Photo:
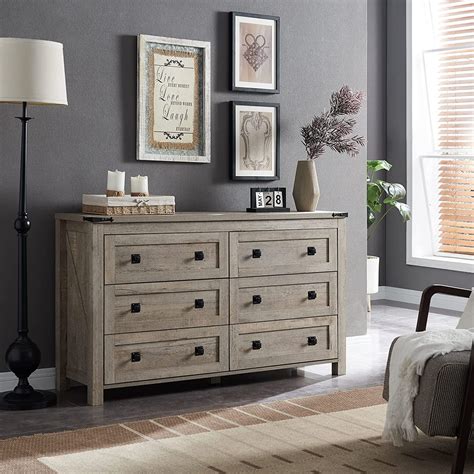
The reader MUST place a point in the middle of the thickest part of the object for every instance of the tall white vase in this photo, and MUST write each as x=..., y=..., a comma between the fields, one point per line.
x=372, y=274
x=372, y=280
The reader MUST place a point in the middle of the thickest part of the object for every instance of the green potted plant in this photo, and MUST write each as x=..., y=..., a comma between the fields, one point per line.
x=382, y=198
x=331, y=129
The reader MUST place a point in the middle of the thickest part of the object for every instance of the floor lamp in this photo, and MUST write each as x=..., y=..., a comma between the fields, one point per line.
x=31, y=72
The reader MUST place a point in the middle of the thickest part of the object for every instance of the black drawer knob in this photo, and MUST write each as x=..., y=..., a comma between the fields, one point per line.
x=199, y=351
x=199, y=255
x=136, y=357
x=256, y=345
x=135, y=307
x=199, y=303
x=311, y=250
x=312, y=295
x=136, y=258
x=256, y=253
x=256, y=299
x=312, y=341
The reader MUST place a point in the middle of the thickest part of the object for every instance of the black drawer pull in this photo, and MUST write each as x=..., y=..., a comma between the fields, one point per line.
x=136, y=258
x=256, y=345
x=312, y=295
x=256, y=253
x=199, y=255
x=312, y=341
x=199, y=303
x=136, y=357
x=311, y=250
x=199, y=351
x=256, y=299
x=135, y=307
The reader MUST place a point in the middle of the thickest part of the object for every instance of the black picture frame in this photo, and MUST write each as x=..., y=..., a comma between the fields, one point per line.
x=234, y=72
x=233, y=151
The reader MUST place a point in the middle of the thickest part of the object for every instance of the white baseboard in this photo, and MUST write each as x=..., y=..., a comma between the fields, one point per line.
x=402, y=295
x=42, y=379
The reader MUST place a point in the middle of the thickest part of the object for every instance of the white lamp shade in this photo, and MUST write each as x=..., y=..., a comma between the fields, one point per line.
x=32, y=71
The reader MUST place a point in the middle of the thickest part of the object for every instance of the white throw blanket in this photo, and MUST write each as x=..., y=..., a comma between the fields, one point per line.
x=409, y=356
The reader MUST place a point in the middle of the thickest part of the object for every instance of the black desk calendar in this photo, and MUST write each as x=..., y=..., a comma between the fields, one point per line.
x=268, y=200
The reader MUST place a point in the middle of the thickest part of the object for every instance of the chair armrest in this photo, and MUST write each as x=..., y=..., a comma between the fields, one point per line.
x=425, y=301
x=386, y=381
x=469, y=398
x=465, y=421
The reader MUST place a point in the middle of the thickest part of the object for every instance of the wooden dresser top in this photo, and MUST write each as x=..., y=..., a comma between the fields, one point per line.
x=209, y=216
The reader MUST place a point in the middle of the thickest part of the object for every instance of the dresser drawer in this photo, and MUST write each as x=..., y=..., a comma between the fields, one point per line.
x=154, y=355
x=283, y=342
x=283, y=297
x=165, y=257
x=283, y=252
x=172, y=305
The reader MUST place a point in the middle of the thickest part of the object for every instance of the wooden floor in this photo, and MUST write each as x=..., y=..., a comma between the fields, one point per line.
x=366, y=358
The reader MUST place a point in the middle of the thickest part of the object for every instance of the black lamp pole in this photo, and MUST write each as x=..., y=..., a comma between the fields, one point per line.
x=23, y=356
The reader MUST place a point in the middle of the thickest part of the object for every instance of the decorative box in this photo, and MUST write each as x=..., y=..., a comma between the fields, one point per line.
x=127, y=205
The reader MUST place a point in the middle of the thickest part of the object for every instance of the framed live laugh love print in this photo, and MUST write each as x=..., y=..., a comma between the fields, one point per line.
x=173, y=109
x=255, y=52
x=255, y=141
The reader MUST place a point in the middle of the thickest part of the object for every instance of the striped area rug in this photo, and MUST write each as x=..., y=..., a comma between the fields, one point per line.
x=334, y=433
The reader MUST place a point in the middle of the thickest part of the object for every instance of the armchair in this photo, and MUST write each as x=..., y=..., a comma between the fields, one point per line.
x=445, y=401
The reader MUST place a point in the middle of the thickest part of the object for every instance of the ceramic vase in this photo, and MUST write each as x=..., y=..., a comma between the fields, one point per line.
x=306, y=188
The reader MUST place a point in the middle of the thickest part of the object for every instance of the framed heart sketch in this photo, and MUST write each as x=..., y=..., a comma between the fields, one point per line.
x=255, y=52
x=173, y=106
x=255, y=141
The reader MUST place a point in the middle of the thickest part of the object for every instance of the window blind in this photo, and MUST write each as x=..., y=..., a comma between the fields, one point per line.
x=456, y=206
x=455, y=34
x=454, y=129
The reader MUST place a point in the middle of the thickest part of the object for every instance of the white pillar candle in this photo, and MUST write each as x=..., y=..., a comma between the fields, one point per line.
x=116, y=182
x=139, y=185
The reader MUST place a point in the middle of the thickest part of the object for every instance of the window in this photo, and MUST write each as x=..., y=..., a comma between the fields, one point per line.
x=440, y=131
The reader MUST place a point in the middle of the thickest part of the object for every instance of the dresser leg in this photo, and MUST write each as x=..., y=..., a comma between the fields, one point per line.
x=339, y=368
x=62, y=383
x=95, y=396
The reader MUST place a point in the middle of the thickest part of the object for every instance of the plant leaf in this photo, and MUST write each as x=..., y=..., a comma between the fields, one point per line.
x=377, y=165
x=394, y=191
x=373, y=197
x=404, y=210
x=370, y=218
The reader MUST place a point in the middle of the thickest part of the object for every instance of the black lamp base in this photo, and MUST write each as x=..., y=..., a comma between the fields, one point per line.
x=23, y=356
x=31, y=401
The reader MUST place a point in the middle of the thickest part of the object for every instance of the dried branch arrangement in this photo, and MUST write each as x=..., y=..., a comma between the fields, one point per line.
x=332, y=128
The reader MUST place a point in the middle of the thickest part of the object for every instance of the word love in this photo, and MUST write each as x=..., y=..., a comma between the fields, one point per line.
x=167, y=94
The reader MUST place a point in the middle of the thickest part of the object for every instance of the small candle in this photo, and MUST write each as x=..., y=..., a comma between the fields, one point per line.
x=115, y=183
x=139, y=185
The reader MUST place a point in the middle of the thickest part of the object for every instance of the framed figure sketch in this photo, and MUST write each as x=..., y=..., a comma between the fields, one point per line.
x=255, y=141
x=173, y=109
x=255, y=52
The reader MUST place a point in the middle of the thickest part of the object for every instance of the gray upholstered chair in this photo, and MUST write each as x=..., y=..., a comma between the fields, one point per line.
x=445, y=401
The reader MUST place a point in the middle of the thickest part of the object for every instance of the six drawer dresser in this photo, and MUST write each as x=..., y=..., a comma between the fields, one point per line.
x=150, y=299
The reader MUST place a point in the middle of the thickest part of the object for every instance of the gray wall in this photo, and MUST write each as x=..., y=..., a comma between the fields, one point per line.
x=398, y=273
x=377, y=108
x=71, y=148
